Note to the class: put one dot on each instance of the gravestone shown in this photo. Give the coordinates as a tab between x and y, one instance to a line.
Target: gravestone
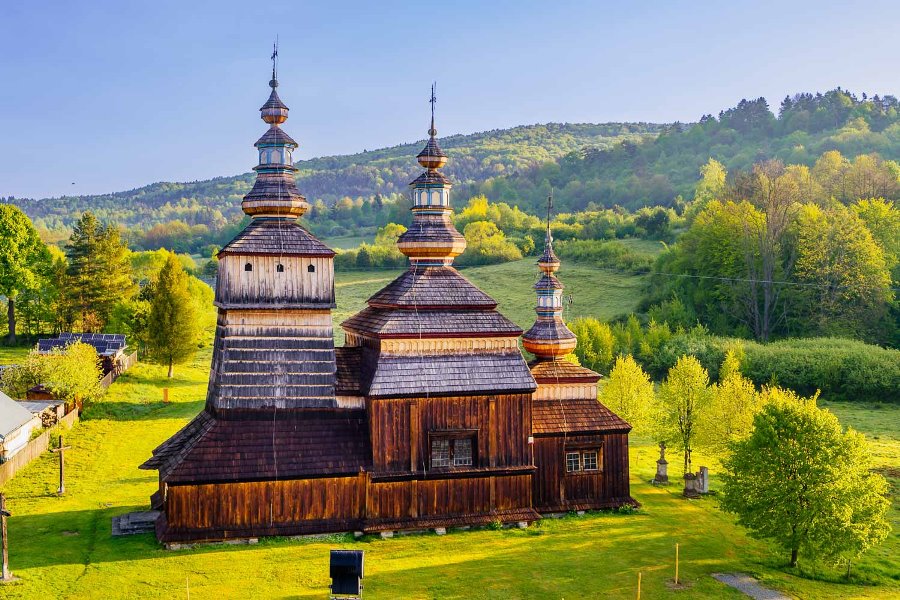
662	466
691	485
704	480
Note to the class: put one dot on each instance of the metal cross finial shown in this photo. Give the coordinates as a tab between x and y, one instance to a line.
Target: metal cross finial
432	101
274	57
549	212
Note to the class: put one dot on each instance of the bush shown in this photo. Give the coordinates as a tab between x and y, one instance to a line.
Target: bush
842	369
610	255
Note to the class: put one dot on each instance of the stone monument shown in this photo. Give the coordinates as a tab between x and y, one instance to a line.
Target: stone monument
662	466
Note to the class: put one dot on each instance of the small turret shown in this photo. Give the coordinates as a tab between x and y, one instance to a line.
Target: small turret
549	338
431	239
275	193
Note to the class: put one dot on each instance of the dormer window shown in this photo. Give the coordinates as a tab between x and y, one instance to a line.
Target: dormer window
248	267
280	268
311	269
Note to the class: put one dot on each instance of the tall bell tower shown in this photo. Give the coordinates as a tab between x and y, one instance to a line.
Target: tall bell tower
274	343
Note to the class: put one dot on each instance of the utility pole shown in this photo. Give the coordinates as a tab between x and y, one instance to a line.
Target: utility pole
4	573
62	466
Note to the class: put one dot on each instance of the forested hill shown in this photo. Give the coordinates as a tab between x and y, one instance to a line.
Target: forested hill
656	171
474	158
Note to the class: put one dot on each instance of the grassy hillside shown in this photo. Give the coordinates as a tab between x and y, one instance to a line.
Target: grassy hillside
62	547
594	292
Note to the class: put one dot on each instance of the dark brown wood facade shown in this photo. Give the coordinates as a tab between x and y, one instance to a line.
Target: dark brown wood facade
556	489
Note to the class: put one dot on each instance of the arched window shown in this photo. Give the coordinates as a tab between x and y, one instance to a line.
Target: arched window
280	268
248	267
311	269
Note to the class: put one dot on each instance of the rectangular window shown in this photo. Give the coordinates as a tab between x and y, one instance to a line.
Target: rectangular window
462	452
455	449
589	460
440	453
573	462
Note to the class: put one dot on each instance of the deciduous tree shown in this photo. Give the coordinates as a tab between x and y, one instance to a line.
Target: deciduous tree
804	483
629	393
684	395
23	259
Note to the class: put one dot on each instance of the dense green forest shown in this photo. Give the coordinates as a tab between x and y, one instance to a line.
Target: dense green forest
658	171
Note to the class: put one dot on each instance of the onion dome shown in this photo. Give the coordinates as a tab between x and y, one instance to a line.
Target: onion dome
431	239
275	194
549	337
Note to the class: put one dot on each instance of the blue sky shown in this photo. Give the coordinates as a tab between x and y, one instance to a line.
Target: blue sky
115	95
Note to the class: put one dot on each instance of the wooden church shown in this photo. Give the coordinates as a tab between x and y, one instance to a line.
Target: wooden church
428	417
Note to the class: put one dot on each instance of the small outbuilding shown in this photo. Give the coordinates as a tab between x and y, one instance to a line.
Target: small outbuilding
16	425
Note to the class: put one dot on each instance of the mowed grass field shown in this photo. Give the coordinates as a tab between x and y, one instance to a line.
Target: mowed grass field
63	548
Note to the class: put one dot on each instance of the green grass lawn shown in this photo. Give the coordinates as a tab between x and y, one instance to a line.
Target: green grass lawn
62	547
13	354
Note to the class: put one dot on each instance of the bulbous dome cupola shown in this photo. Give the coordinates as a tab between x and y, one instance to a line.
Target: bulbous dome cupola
431	239
549	338
275	193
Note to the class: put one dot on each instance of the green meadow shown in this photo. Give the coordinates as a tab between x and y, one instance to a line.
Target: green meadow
61	547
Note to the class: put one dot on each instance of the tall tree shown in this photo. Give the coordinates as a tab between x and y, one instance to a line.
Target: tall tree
23	259
775	192
172	326
806	484
629	393
684	395
733	403
848	280
99	271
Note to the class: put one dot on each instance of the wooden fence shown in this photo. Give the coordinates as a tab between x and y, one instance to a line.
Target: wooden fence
123	366
33	449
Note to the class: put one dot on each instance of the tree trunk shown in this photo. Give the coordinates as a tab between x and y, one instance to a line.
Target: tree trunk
11	319
171	369
794	557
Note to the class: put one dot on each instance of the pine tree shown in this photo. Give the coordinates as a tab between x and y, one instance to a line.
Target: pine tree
172	327
99	271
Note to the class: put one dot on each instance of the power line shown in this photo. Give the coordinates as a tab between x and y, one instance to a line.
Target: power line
765	281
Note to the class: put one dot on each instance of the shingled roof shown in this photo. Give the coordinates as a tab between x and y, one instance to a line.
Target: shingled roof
561	371
284	445
467	374
423	287
272	236
385	323
550	417
276	135
349	366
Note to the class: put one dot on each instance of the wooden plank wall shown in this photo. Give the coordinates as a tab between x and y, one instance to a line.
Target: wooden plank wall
554	488
335	504
399	429
261	505
264	283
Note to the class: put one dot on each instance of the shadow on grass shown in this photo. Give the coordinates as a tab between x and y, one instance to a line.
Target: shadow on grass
135	411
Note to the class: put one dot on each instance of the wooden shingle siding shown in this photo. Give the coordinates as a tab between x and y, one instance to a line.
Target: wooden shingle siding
432	286
275	237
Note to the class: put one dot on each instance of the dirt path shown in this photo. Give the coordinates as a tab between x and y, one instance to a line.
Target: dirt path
749	586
